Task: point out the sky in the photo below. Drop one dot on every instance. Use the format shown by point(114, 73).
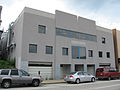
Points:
point(106, 13)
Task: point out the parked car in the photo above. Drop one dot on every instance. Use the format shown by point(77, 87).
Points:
point(107, 72)
point(77, 77)
point(9, 77)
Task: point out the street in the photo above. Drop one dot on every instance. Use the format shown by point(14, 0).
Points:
point(98, 85)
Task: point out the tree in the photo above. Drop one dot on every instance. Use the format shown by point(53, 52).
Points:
point(4, 64)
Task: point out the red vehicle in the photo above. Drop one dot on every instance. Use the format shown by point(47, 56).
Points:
point(109, 73)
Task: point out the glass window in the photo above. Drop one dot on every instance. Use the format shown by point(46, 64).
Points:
point(49, 49)
point(78, 52)
point(100, 54)
point(4, 72)
point(14, 72)
point(108, 54)
point(32, 48)
point(103, 40)
point(42, 29)
point(82, 53)
point(76, 35)
point(23, 73)
point(75, 52)
point(90, 53)
point(64, 51)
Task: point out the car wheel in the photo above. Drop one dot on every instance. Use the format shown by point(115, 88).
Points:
point(35, 83)
point(6, 84)
point(93, 79)
point(77, 81)
point(109, 78)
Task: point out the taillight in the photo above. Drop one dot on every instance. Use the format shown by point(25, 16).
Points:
point(71, 76)
point(64, 76)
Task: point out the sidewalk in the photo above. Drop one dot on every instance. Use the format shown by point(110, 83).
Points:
point(53, 81)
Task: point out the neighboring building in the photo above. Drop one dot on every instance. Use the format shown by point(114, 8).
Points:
point(1, 31)
point(0, 14)
point(116, 38)
point(59, 43)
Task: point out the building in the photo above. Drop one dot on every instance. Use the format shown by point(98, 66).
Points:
point(116, 38)
point(1, 31)
point(0, 14)
point(56, 44)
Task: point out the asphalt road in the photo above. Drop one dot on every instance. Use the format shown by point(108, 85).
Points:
point(98, 85)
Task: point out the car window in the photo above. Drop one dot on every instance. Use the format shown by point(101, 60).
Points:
point(23, 73)
point(85, 73)
point(80, 73)
point(99, 70)
point(4, 72)
point(14, 72)
point(72, 73)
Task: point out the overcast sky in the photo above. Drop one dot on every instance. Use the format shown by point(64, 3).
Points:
point(106, 13)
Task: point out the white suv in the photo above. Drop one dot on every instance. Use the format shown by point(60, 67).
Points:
point(17, 76)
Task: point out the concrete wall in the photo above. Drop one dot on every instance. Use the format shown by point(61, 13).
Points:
point(30, 35)
point(107, 47)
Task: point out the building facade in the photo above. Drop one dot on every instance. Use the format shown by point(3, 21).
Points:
point(1, 31)
point(116, 38)
point(60, 43)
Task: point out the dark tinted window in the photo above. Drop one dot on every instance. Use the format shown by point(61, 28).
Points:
point(100, 54)
point(14, 72)
point(4, 72)
point(100, 70)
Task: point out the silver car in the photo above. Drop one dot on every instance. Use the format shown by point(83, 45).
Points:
point(17, 76)
point(77, 77)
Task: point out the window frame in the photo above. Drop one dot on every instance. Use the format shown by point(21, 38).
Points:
point(66, 51)
point(31, 50)
point(42, 29)
point(108, 54)
point(78, 48)
point(90, 53)
point(49, 49)
point(100, 54)
point(103, 40)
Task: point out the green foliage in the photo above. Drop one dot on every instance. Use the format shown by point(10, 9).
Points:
point(4, 64)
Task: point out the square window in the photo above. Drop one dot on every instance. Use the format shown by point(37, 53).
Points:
point(32, 48)
point(64, 51)
point(42, 29)
point(108, 54)
point(78, 52)
point(90, 53)
point(49, 49)
point(100, 54)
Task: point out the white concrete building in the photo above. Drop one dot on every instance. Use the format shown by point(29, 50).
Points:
point(59, 43)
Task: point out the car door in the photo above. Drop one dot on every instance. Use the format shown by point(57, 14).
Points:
point(15, 76)
point(81, 76)
point(25, 77)
point(87, 76)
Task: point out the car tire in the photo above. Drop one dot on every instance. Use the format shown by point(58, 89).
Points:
point(109, 78)
point(6, 84)
point(77, 81)
point(35, 83)
point(93, 79)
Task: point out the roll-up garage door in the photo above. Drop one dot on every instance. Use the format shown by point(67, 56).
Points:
point(45, 70)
